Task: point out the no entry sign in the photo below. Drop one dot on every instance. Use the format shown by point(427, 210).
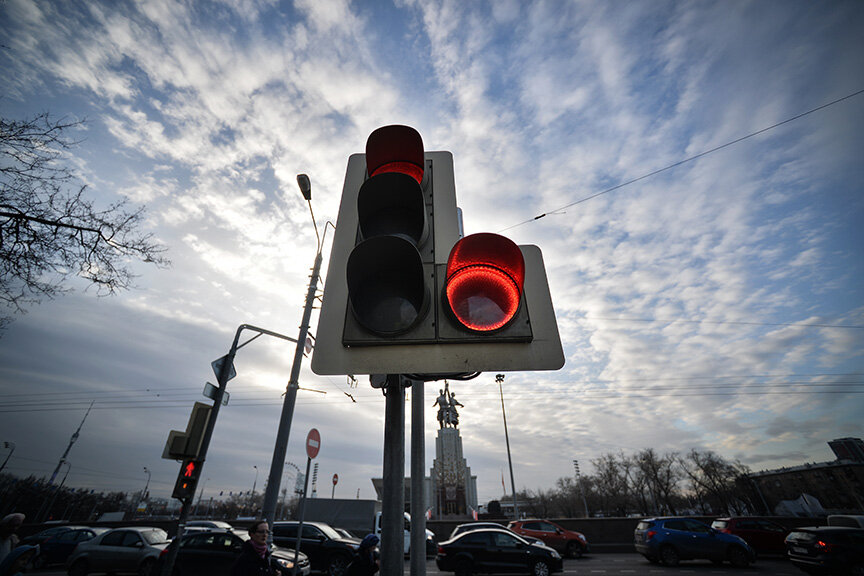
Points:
point(313, 443)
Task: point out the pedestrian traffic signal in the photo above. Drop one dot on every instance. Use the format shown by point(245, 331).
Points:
point(187, 480)
point(405, 295)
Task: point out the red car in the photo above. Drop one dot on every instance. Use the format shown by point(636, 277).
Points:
point(764, 536)
point(568, 542)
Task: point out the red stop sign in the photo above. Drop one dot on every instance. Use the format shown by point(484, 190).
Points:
point(313, 443)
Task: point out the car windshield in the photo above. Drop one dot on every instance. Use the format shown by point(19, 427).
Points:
point(156, 536)
point(328, 531)
point(719, 524)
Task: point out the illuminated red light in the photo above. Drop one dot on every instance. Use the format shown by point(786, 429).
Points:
point(485, 277)
point(395, 149)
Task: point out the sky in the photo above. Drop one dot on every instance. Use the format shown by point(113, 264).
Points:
point(714, 305)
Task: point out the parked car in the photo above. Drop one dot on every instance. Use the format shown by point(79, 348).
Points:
point(670, 540)
point(496, 551)
point(467, 527)
point(847, 520)
point(213, 553)
point(57, 548)
point(130, 549)
point(212, 524)
point(568, 542)
point(764, 536)
point(40, 537)
point(827, 549)
point(328, 551)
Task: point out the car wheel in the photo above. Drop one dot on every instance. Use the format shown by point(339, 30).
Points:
point(669, 556)
point(738, 557)
point(79, 568)
point(540, 568)
point(463, 568)
point(337, 565)
point(146, 567)
point(574, 550)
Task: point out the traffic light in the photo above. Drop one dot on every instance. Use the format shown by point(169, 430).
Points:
point(405, 294)
point(187, 444)
point(187, 479)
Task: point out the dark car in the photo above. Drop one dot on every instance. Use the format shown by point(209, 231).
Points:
point(827, 550)
point(57, 548)
point(469, 526)
point(121, 550)
point(328, 551)
point(670, 540)
point(568, 542)
point(764, 536)
point(212, 553)
point(496, 551)
point(40, 537)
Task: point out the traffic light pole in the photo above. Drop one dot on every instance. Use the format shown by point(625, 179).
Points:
point(222, 379)
point(418, 472)
point(393, 488)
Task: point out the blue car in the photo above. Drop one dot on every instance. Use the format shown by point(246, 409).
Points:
point(670, 540)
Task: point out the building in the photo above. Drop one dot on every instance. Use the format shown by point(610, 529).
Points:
point(815, 489)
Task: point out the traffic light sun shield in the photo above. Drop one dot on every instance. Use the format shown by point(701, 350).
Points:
point(395, 149)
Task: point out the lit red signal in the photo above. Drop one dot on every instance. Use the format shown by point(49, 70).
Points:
point(485, 279)
point(187, 480)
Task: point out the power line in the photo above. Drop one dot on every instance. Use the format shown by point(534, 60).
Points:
point(689, 159)
point(733, 322)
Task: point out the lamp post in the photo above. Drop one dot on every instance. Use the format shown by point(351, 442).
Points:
point(252, 496)
point(271, 495)
point(581, 485)
point(499, 378)
point(144, 493)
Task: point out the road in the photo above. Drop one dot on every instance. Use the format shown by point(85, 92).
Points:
point(629, 564)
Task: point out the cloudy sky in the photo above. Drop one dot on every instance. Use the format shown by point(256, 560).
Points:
point(716, 305)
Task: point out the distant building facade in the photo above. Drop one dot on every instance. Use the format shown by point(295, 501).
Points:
point(812, 489)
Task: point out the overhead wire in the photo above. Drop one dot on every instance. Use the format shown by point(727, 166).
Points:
point(688, 159)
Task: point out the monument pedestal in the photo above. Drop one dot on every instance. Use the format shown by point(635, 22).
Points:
point(454, 489)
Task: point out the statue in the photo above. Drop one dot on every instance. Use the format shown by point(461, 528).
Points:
point(447, 403)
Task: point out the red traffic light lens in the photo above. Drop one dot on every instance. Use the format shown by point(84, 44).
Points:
point(395, 149)
point(485, 277)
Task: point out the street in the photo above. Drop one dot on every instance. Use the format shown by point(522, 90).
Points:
point(631, 564)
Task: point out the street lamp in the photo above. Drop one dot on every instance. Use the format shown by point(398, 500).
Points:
point(499, 378)
point(581, 486)
point(144, 493)
point(254, 484)
point(271, 495)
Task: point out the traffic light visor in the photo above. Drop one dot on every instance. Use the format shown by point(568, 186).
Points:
point(395, 149)
point(485, 279)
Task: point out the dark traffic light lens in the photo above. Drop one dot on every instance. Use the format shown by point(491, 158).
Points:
point(485, 276)
point(392, 203)
point(386, 285)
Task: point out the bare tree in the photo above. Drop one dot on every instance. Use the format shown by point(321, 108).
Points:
point(712, 478)
point(49, 229)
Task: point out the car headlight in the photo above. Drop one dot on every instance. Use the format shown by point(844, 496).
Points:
point(555, 555)
point(285, 564)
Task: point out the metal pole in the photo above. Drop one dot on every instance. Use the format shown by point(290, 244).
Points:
point(71, 442)
point(222, 379)
point(500, 378)
point(393, 488)
point(271, 495)
point(11, 447)
point(418, 472)
point(302, 515)
point(581, 486)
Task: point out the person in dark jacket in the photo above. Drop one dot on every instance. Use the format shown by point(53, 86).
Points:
point(364, 562)
point(255, 559)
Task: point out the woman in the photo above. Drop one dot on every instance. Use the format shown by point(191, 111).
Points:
point(254, 559)
point(364, 563)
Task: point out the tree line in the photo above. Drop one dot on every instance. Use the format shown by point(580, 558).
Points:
point(645, 483)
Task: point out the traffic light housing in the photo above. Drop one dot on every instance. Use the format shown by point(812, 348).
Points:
point(404, 294)
point(187, 479)
point(187, 444)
